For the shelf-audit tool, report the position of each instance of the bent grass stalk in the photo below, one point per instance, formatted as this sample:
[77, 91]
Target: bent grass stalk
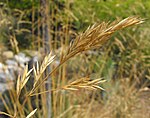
[94, 37]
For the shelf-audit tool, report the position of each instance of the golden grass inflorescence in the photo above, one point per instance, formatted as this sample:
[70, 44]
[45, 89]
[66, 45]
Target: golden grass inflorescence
[94, 37]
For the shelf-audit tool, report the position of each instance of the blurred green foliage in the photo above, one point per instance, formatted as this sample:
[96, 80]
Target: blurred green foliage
[134, 41]
[87, 12]
[22, 4]
[109, 10]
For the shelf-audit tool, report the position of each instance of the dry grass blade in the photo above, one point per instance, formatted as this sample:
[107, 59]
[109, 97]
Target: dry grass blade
[85, 83]
[47, 61]
[21, 81]
[18, 85]
[127, 22]
[38, 71]
[32, 113]
[96, 35]
[6, 114]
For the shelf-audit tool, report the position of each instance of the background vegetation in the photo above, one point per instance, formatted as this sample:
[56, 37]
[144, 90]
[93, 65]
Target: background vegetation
[123, 61]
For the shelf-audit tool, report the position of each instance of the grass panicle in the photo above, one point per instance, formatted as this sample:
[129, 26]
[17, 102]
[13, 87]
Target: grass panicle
[94, 37]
